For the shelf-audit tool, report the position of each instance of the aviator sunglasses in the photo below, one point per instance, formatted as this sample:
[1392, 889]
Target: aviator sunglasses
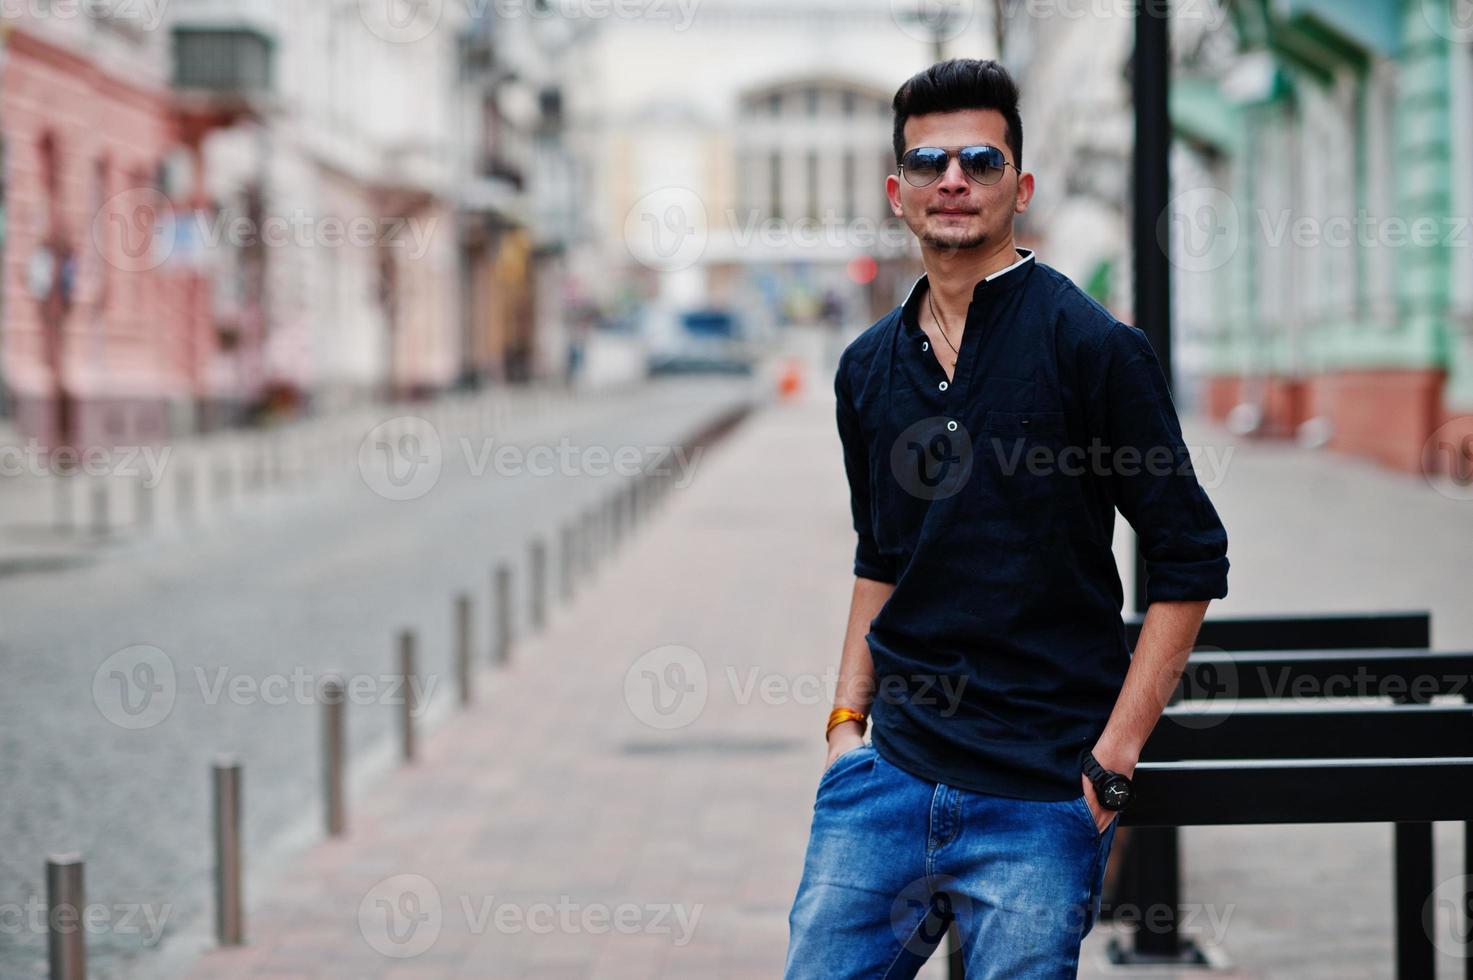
[924, 164]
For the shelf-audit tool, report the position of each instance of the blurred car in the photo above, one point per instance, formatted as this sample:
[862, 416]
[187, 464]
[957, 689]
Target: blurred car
[705, 339]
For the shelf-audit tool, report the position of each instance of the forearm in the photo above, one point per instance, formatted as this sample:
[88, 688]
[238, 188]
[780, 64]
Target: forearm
[856, 684]
[1166, 640]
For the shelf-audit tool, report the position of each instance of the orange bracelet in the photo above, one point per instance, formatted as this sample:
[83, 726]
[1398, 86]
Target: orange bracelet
[840, 715]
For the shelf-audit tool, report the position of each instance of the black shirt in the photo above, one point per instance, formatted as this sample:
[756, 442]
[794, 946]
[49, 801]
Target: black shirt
[989, 501]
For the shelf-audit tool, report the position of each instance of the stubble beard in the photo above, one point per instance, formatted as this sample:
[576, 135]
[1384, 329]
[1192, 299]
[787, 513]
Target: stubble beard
[951, 239]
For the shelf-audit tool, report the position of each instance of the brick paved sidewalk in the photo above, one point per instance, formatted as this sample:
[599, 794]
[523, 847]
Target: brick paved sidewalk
[676, 851]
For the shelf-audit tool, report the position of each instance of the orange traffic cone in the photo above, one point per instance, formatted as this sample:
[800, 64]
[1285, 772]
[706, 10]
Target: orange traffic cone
[790, 379]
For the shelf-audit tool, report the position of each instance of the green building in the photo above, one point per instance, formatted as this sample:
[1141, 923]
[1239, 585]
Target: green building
[1322, 234]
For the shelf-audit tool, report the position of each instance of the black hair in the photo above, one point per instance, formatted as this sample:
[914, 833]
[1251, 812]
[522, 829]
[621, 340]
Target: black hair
[961, 83]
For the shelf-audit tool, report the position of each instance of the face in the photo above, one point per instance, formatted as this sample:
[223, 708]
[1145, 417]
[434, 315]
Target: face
[954, 211]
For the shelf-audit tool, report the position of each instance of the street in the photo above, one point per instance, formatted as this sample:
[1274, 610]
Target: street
[250, 612]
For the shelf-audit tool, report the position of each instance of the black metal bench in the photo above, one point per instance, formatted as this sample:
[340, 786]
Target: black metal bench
[1231, 764]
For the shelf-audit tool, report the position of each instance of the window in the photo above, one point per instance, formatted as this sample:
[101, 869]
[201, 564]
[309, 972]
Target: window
[851, 201]
[1377, 289]
[812, 181]
[1460, 236]
[775, 183]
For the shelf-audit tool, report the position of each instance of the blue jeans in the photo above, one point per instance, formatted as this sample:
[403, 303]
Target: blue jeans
[892, 858]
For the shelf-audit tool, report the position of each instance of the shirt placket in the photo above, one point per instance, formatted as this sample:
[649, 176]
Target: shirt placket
[952, 395]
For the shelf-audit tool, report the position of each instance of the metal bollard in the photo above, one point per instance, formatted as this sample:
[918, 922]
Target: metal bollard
[142, 504]
[185, 495]
[406, 673]
[61, 501]
[501, 604]
[614, 504]
[229, 909]
[65, 903]
[100, 523]
[463, 645]
[258, 464]
[589, 540]
[537, 584]
[221, 475]
[595, 534]
[334, 755]
[567, 543]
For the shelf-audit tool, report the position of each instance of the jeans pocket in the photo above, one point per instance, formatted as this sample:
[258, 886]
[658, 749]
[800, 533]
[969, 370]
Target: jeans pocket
[1082, 805]
[842, 760]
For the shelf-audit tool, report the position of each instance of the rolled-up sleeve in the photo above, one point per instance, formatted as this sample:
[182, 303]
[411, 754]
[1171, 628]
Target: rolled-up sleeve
[868, 561]
[1149, 472]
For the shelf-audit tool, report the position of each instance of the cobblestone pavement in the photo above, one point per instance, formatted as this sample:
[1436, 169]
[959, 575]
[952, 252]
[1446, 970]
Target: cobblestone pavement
[232, 620]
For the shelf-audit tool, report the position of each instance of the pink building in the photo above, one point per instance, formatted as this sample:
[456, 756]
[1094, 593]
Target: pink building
[106, 330]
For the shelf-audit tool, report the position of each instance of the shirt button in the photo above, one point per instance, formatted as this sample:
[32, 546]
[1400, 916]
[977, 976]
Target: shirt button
[951, 425]
[942, 386]
[925, 345]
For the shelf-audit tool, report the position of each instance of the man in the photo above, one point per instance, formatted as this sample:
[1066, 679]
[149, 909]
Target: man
[991, 425]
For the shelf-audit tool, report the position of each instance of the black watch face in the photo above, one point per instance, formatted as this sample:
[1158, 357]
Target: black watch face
[1116, 794]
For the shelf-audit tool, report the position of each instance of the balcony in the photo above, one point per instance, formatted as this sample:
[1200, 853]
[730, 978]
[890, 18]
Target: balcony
[224, 62]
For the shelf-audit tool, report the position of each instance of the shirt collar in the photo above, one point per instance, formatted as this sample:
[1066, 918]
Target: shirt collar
[1002, 278]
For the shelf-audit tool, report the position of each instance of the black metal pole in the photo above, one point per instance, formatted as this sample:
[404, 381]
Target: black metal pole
[1151, 187]
[1156, 848]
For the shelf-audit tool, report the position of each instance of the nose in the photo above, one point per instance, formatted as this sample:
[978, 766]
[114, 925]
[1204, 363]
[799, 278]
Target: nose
[953, 181]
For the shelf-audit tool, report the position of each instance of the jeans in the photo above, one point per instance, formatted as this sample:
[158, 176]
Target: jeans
[892, 858]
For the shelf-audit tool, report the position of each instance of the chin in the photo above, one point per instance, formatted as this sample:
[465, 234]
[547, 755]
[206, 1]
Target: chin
[955, 239]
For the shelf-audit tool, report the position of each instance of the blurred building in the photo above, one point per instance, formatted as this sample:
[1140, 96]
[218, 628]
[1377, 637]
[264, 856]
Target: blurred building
[1349, 298]
[263, 206]
[1321, 197]
[341, 282]
[752, 181]
[518, 207]
[105, 334]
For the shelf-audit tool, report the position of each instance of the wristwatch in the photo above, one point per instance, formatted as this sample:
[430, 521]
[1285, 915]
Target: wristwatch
[1113, 788]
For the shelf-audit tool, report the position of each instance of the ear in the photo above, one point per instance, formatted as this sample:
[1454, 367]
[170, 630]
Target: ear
[892, 191]
[1025, 192]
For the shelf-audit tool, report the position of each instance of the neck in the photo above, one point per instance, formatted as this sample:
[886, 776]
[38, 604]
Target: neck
[953, 274]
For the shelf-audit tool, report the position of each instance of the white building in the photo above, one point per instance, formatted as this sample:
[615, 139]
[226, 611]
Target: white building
[739, 155]
[343, 273]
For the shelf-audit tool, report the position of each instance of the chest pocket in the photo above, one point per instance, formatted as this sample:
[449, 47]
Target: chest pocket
[1018, 483]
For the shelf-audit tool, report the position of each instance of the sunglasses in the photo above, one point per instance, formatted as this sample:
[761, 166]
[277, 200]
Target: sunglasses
[925, 164]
